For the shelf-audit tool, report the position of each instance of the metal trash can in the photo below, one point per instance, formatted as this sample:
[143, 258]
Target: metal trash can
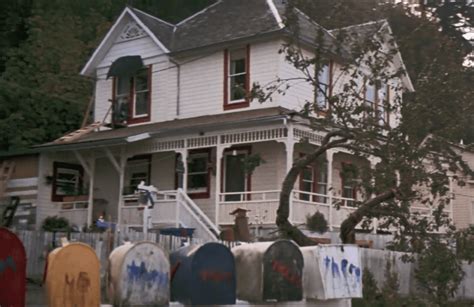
[203, 275]
[12, 269]
[269, 271]
[139, 275]
[73, 276]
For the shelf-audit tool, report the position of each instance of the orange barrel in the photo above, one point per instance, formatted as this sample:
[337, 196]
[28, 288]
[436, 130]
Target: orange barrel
[73, 277]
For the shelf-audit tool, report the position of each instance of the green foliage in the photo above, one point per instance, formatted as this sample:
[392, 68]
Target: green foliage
[55, 223]
[317, 222]
[465, 244]
[438, 272]
[251, 162]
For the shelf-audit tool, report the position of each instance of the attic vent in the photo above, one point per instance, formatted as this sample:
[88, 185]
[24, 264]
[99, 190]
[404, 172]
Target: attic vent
[131, 30]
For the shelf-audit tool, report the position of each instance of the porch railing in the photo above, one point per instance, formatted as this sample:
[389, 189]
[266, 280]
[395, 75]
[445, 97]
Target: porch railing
[264, 204]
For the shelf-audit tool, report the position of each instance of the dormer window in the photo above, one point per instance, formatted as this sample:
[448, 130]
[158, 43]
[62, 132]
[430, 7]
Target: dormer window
[323, 90]
[236, 78]
[132, 98]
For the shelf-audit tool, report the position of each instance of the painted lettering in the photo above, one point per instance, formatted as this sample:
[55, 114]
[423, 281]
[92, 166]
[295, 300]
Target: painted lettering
[215, 276]
[9, 262]
[141, 274]
[283, 270]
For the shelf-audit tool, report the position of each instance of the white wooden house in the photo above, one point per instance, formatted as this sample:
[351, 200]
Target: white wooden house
[185, 105]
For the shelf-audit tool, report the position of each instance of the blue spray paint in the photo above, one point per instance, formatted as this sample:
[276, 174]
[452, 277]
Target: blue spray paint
[141, 274]
[344, 263]
[327, 262]
[9, 262]
[357, 273]
[335, 268]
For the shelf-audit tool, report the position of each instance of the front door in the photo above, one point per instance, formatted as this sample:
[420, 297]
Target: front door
[234, 175]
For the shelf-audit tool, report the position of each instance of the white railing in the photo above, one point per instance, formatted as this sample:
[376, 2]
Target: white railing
[190, 215]
[171, 209]
[75, 212]
[262, 206]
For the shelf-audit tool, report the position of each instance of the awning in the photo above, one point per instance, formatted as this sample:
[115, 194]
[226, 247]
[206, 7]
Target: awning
[126, 66]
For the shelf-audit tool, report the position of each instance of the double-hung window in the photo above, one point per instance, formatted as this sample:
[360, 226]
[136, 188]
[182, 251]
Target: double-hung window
[348, 179]
[198, 173]
[307, 182]
[67, 180]
[322, 182]
[132, 98]
[323, 88]
[376, 99]
[136, 171]
[236, 79]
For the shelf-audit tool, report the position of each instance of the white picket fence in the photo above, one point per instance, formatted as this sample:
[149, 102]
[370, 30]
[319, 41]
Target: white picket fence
[38, 244]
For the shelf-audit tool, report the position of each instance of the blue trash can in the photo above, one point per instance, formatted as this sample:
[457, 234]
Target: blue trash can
[203, 275]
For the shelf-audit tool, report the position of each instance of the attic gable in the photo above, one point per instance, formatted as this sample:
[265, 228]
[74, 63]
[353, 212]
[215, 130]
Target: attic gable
[356, 36]
[129, 26]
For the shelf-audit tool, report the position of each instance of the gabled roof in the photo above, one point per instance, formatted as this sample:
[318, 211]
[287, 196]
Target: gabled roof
[356, 37]
[222, 22]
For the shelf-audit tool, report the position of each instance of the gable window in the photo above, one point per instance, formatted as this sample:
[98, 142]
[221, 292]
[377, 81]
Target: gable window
[323, 90]
[236, 78]
[376, 99]
[136, 171]
[198, 173]
[132, 98]
[67, 180]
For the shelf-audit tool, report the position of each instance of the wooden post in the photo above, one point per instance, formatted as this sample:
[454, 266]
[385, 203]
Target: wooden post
[90, 206]
[330, 158]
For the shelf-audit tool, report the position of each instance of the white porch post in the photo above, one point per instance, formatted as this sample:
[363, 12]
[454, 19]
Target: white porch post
[375, 221]
[89, 168]
[90, 205]
[184, 159]
[330, 159]
[219, 155]
[121, 171]
[290, 148]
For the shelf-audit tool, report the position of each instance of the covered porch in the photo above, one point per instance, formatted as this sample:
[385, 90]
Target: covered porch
[202, 176]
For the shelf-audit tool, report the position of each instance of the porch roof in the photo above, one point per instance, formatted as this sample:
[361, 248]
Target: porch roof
[197, 125]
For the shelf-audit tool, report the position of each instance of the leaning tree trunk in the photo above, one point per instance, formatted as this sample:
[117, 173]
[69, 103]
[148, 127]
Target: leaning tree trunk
[283, 212]
[347, 234]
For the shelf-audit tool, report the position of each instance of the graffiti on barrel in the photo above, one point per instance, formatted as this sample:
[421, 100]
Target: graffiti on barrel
[341, 271]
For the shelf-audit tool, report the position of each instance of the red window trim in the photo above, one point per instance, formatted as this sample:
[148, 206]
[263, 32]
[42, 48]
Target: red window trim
[56, 165]
[377, 100]
[316, 167]
[247, 148]
[198, 195]
[341, 174]
[131, 120]
[330, 89]
[246, 102]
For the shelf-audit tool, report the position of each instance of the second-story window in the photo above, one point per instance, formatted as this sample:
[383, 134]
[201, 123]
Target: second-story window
[236, 78]
[132, 98]
[376, 98]
[323, 90]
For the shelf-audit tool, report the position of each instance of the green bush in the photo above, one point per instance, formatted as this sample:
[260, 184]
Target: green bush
[317, 222]
[55, 223]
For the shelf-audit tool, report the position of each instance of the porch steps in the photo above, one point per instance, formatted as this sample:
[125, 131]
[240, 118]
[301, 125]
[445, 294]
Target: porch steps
[6, 171]
[78, 133]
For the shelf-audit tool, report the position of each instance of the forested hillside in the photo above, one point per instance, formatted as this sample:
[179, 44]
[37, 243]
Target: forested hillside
[44, 44]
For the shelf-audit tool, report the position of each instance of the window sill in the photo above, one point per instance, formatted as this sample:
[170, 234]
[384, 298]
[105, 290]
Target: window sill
[138, 120]
[236, 105]
[198, 195]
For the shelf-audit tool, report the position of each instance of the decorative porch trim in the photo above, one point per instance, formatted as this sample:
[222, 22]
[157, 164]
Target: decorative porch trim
[312, 137]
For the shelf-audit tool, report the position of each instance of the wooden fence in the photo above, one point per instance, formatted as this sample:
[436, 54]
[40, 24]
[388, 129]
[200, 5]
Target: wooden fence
[38, 244]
